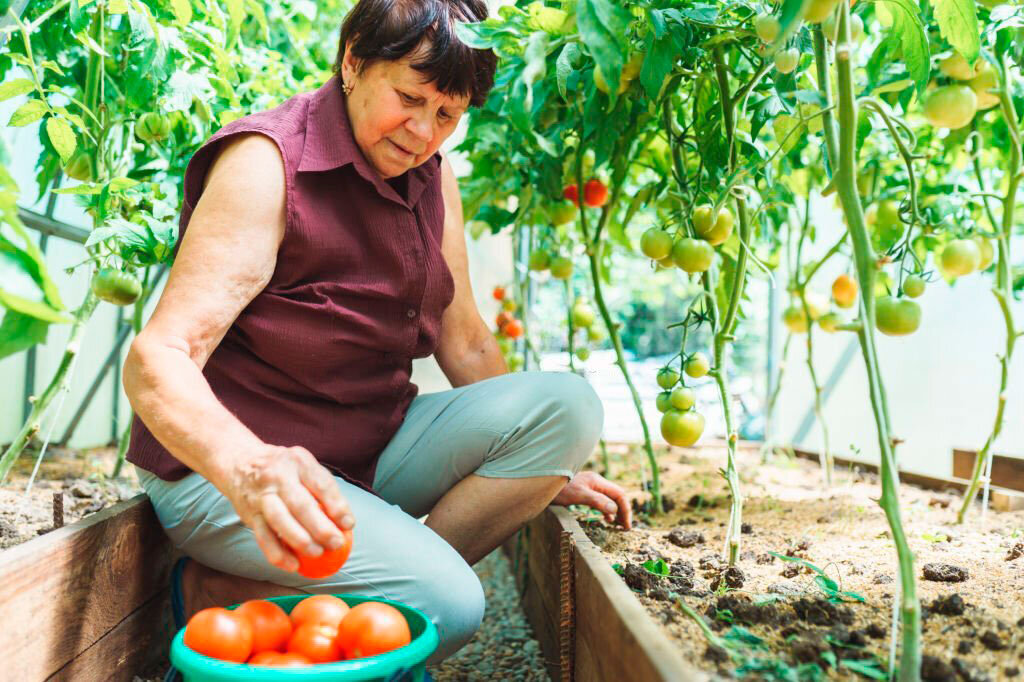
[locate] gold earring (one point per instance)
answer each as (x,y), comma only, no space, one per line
(347,88)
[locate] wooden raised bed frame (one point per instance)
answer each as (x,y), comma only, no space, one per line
(590,625)
(88,601)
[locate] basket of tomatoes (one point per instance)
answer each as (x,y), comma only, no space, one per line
(322,637)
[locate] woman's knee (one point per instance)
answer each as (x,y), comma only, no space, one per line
(575,410)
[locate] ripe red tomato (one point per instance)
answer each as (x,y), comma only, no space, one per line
(372,628)
(271,626)
(595,193)
(503,318)
(317,642)
(277,659)
(498,293)
(572,193)
(219,633)
(513,329)
(327,563)
(322,609)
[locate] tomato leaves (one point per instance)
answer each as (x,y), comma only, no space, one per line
(907,38)
(602,26)
(958,23)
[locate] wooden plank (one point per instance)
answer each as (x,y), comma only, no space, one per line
(131,646)
(1007,472)
(78,583)
(616,638)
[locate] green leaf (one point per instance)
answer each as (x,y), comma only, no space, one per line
(565,65)
(958,23)
(182,11)
(602,26)
(29,112)
(868,668)
(120,184)
(19,332)
(117,6)
(907,35)
(13,88)
(657,64)
(236,14)
(91,44)
(62,137)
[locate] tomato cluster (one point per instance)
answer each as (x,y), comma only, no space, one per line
(681,424)
(509,327)
(691,254)
(319,629)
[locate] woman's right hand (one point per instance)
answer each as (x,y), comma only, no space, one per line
(275,491)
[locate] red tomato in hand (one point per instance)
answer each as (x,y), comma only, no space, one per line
(219,633)
(372,628)
(327,563)
(595,193)
(513,329)
(320,609)
(271,626)
(498,293)
(572,193)
(276,658)
(317,642)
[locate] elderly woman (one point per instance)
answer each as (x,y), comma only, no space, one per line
(325,250)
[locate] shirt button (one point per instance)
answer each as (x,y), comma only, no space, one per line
(410,313)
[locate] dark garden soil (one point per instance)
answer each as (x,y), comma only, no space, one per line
(970,577)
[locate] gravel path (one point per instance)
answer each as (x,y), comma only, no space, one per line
(504,647)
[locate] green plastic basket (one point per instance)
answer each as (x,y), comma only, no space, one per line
(194,667)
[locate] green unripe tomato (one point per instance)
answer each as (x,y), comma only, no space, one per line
(897,316)
(913,286)
(818,10)
(515,363)
(829,27)
(682,398)
(697,366)
(712,230)
(561,267)
(767,27)
(667,377)
(656,243)
(582,314)
(666,263)
(951,106)
(79,166)
(583,353)
(986,250)
(594,335)
(539,260)
(152,127)
(563,212)
(786,60)
(681,429)
(114,286)
(829,322)
(955,66)
(663,401)
(795,319)
(959,257)
(505,344)
(692,255)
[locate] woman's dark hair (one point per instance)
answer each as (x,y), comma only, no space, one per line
(390,29)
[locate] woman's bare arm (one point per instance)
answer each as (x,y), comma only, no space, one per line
(227,257)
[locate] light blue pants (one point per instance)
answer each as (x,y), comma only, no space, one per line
(511,426)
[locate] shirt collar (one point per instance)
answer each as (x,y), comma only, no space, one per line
(330,144)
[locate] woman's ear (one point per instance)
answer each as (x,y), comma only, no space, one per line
(350,65)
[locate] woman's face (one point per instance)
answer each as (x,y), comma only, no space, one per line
(398,120)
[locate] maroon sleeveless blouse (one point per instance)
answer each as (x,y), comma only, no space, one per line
(322,357)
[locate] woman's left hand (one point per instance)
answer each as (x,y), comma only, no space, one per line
(593,490)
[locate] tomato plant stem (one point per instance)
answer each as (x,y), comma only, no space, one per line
(1002,292)
(864,258)
(57,383)
(727,321)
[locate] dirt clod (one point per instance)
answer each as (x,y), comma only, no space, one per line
(993,641)
(809,648)
(746,528)
(936,670)
(948,605)
(709,562)
(875,631)
(964,646)
(1015,552)
(881,579)
(732,575)
(820,611)
(716,653)
(765,558)
(685,538)
(945,573)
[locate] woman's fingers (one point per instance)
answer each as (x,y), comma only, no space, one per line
(320,482)
(617,495)
(304,508)
(277,554)
(289,530)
